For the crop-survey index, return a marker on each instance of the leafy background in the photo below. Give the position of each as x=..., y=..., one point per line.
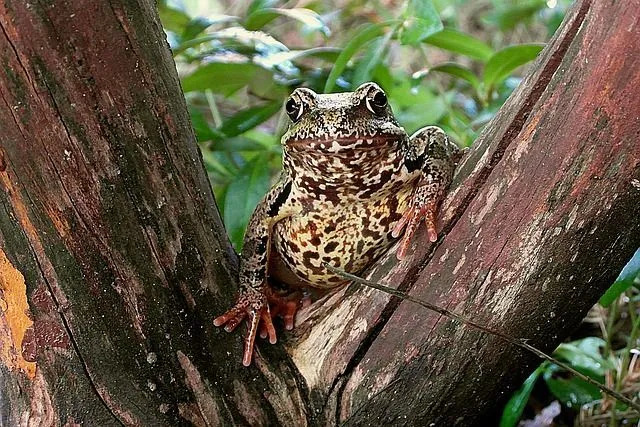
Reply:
x=447, y=62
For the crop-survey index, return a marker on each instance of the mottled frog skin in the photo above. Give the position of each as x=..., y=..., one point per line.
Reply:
x=352, y=182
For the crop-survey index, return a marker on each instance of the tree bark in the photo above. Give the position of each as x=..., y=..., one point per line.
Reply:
x=114, y=260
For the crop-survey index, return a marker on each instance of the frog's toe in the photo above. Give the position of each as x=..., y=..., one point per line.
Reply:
x=233, y=323
x=430, y=221
x=250, y=338
x=286, y=306
x=266, y=327
x=409, y=224
x=289, y=314
x=254, y=307
x=258, y=318
x=232, y=317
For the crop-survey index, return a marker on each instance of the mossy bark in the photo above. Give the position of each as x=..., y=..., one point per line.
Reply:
x=114, y=260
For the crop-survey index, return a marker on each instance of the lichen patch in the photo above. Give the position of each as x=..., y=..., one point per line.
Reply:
x=15, y=317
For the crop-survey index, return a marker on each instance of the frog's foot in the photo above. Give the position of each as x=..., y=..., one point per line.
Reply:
x=285, y=306
x=254, y=305
x=411, y=220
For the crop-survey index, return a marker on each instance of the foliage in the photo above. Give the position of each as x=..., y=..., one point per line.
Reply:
x=594, y=357
x=237, y=69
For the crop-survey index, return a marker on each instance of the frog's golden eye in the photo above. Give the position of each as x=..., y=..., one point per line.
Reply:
x=377, y=103
x=294, y=109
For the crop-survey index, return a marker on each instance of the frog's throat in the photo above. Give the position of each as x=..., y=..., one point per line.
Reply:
x=336, y=145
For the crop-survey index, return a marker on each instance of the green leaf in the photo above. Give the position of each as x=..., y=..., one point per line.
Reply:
x=226, y=77
x=421, y=20
x=372, y=57
x=260, y=4
x=308, y=17
x=248, y=119
x=629, y=274
x=194, y=27
x=173, y=19
x=458, y=71
x=201, y=127
x=505, y=61
x=584, y=356
x=508, y=17
x=364, y=34
x=241, y=145
x=216, y=166
x=573, y=392
x=515, y=406
x=242, y=196
x=462, y=43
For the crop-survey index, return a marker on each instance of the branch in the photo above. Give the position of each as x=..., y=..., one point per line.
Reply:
x=518, y=342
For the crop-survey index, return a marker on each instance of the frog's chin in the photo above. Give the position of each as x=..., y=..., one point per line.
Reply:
x=339, y=145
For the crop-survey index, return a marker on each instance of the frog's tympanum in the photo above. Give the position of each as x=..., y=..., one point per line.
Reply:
x=352, y=182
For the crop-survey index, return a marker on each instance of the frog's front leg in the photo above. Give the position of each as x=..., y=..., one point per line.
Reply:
x=255, y=293
x=430, y=151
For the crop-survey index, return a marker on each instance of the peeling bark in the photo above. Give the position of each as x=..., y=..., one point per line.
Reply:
x=114, y=259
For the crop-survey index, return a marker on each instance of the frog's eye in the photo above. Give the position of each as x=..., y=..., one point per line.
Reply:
x=377, y=103
x=294, y=109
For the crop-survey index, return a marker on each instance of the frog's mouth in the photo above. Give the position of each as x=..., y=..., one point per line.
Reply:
x=339, y=145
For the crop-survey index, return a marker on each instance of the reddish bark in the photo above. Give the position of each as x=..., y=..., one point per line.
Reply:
x=114, y=260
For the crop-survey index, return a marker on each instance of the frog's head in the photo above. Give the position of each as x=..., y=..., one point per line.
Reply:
x=341, y=122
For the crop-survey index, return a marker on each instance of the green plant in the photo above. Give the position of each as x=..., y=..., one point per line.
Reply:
x=595, y=357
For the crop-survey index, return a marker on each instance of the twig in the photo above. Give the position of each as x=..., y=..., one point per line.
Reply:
x=514, y=341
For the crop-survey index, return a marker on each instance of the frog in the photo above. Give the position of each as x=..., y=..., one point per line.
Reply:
x=353, y=183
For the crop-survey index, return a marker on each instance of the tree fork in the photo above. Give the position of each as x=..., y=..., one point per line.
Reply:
x=114, y=260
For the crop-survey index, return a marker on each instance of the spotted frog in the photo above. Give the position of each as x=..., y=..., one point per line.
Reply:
x=352, y=183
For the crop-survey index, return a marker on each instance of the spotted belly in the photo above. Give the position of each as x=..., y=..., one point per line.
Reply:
x=349, y=236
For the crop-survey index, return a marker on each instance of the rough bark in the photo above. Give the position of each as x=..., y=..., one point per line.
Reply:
x=113, y=258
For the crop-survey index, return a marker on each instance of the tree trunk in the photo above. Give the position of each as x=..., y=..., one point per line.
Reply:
x=114, y=261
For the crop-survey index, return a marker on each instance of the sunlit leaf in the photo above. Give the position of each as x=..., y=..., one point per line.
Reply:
x=505, y=61
x=308, y=17
x=421, y=20
x=364, y=34
x=630, y=273
x=462, y=43
x=243, y=194
x=517, y=403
